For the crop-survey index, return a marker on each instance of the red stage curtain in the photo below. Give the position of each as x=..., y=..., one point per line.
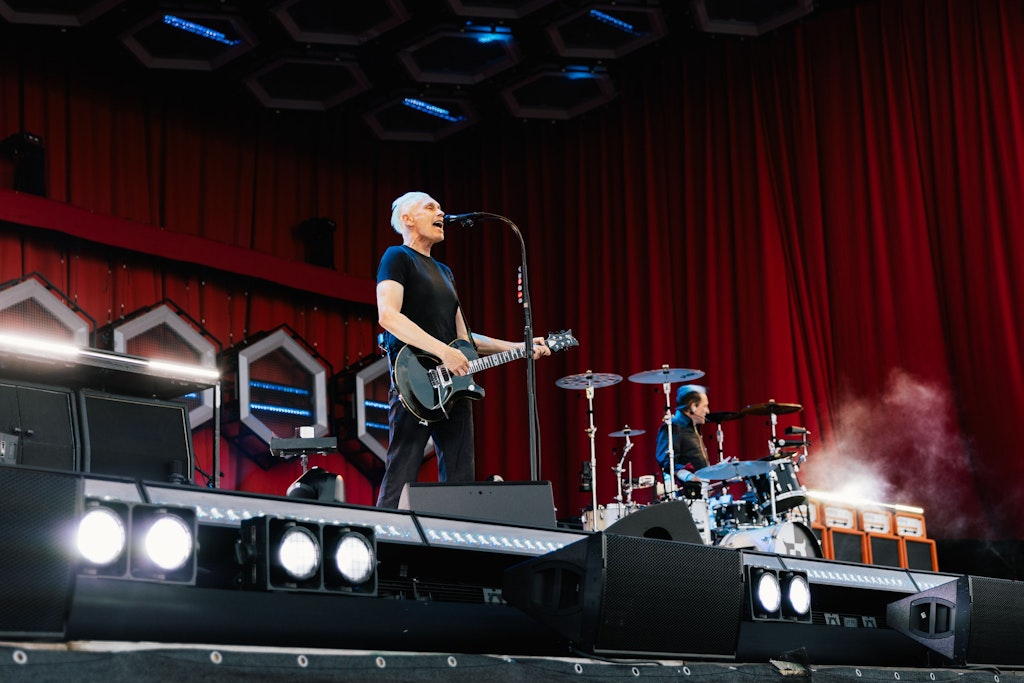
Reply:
x=827, y=215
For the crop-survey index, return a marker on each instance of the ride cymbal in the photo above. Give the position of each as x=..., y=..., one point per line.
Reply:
x=666, y=375
x=734, y=470
x=588, y=379
x=771, y=408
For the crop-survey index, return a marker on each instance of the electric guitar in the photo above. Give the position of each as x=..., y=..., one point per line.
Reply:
x=427, y=387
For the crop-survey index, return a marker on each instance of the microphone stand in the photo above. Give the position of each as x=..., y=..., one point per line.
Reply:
x=531, y=379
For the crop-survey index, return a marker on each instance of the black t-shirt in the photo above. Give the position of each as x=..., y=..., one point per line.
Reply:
x=429, y=299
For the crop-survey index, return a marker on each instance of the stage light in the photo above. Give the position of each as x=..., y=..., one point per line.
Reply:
x=199, y=30
x=797, y=596
x=766, y=593
x=102, y=536
x=138, y=541
x=353, y=563
x=432, y=110
x=778, y=595
x=298, y=553
x=168, y=543
x=293, y=555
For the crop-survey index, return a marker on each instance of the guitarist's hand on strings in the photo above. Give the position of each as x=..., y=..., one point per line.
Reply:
x=456, y=361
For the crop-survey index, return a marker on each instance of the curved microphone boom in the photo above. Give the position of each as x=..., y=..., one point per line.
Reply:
x=463, y=219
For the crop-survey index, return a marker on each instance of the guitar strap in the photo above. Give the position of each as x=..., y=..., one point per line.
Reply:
x=462, y=312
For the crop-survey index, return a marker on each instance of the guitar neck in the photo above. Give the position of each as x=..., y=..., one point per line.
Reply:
x=494, y=360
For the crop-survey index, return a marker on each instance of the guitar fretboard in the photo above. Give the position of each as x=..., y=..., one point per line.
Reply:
x=496, y=359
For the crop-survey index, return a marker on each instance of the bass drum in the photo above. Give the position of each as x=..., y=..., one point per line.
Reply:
x=788, y=538
x=606, y=516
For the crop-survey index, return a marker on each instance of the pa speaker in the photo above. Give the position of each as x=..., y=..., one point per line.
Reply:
x=36, y=565
x=669, y=521
x=527, y=503
x=615, y=594
x=971, y=620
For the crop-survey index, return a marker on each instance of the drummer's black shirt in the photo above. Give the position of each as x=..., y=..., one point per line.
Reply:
x=687, y=444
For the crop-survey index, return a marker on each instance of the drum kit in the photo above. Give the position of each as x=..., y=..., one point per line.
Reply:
x=758, y=518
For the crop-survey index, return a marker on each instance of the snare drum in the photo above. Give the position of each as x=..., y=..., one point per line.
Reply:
x=788, y=538
x=606, y=516
x=788, y=491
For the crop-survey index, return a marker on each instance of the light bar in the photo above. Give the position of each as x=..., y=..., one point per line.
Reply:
x=199, y=30
x=863, y=502
x=432, y=110
x=623, y=26
x=494, y=537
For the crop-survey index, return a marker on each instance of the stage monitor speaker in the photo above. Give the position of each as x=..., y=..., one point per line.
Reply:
x=144, y=439
x=973, y=620
x=37, y=565
x=669, y=521
x=526, y=503
x=615, y=594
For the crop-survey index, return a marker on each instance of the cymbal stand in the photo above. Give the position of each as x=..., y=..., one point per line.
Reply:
x=617, y=469
x=720, y=435
x=591, y=432
x=671, y=487
x=773, y=446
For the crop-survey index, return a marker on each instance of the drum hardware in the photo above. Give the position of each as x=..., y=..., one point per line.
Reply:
x=588, y=381
x=665, y=377
x=626, y=432
x=718, y=418
x=773, y=410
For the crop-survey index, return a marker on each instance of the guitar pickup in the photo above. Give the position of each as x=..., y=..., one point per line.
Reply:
x=440, y=377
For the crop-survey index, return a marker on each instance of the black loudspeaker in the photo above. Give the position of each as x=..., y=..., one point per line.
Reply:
x=527, y=503
x=615, y=594
x=885, y=550
x=144, y=439
x=36, y=565
x=921, y=554
x=669, y=521
x=972, y=620
x=847, y=545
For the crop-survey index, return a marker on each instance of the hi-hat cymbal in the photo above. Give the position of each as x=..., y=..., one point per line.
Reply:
x=734, y=470
x=588, y=379
x=771, y=408
x=666, y=375
x=723, y=416
x=628, y=432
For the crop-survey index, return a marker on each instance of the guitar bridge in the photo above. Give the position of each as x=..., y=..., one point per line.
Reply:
x=440, y=377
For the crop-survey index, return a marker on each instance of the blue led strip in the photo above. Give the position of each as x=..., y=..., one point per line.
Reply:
x=613, y=22
x=282, y=388
x=433, y=110
x=377, y=425
x=376, y=404
x=199, y=30
x=280, y=409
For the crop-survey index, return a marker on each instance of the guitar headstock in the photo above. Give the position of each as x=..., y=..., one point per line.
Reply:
x=558, y=341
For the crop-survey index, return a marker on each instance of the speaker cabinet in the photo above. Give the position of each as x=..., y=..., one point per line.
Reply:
x=144, y=439
x=669, y=521
x=616, y=594
x=884, y=549
x=37, y=427
x=527, y=503
x=36, y=565
x=921, y=554
x=847, y=544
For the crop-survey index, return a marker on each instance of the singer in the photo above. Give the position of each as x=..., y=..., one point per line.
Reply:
x=417, y=305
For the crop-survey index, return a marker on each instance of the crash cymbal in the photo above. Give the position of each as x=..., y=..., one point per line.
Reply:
x=588, y=379
x=734, y=470
x=628, y=432
x=666, y=375
x=723, y=416
x=771, y=408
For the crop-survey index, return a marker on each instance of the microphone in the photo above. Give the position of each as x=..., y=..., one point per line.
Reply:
x=463, y=219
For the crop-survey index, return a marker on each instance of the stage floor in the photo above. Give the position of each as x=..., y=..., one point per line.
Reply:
x=86, y=661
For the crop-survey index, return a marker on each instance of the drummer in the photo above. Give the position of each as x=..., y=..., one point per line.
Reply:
x=689, y=454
